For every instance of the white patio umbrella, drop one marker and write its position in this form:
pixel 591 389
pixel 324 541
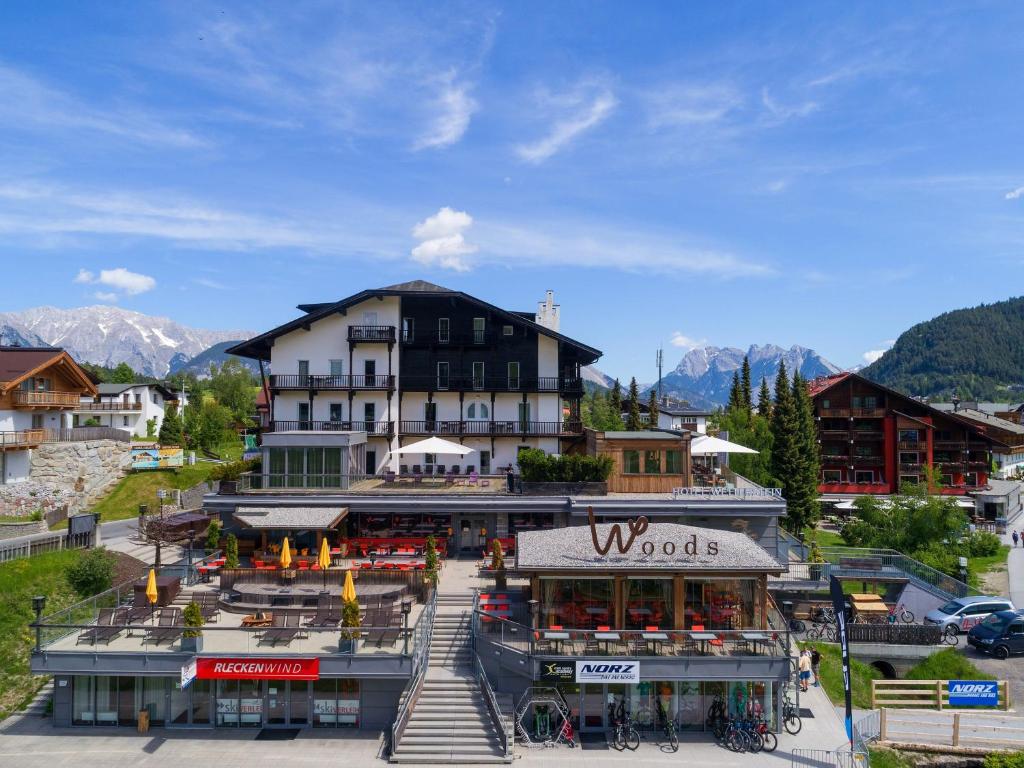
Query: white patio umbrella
pixel 435 445
pixel 706 445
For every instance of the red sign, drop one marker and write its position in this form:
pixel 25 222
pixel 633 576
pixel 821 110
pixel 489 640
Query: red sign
pixel 260 669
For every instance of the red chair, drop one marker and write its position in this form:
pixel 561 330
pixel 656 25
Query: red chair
pixel 652 628
pixel 604 628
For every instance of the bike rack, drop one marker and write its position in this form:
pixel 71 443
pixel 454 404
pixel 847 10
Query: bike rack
pixel 539 695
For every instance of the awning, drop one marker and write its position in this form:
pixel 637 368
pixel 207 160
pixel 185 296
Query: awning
pixel 705 445
pixel 291 518
pixel 435 445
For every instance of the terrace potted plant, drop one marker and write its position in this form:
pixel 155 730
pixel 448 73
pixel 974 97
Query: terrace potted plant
pixel 349 627
pixel 816 560
pixel 498 565
pixel 192 638
pixel 431 561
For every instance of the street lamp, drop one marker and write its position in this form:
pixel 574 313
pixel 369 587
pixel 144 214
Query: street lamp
pixel 38 604
pixel 406 610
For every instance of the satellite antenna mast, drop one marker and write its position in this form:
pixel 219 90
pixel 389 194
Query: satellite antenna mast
pixel 658 360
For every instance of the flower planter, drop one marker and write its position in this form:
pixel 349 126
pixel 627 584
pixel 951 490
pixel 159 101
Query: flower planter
pixel 348 644
pixel 192 644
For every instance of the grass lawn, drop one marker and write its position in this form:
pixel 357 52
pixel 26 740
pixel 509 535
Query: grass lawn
pixel 19 581
pixel 946 665
pixel 887 758
pixel 861 676
pixel 977 566
pixel 141 487
pixel 823 537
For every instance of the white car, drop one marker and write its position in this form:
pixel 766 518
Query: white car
pixel 966 612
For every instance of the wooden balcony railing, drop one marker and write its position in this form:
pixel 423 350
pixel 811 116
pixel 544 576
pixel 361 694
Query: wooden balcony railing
pixel 108 406
pixel 498 427
pixel 834 413
pixel 868 461
pixel 385 333
pixel 868 413
pixel 24 438
pixel 29 437
pixel 30 399
pixel 867 434
pixel 344 381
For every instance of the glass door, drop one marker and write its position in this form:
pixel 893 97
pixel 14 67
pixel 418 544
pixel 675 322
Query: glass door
pixel 298 702
pixel 592 707
pixel 277 702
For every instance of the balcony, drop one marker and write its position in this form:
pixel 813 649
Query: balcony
pixel 344 381
pixel 106 407
pixel 496 428
pixel 835 434
pixel 380 333
pixel 25 438
pixel 22 398
pixel 384 428
pixel 868 434
pixel 913 468
pixel 868 413
pixel 868 461
pixel 910 445
pixel 950 445
pixel 566 386
pixel 834 413
pixel 835 458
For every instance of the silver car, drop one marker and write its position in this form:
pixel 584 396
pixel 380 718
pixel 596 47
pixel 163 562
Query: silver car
pixel 966 612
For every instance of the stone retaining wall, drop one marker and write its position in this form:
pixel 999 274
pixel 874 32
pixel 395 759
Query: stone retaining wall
pixel 14 530
pixel 88 468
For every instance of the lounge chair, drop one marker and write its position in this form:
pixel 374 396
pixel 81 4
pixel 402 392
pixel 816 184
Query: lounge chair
pixel 101 631
pixel 323 616
pixel 283 629
pixel 139 610
pixel 374 621
pixel 393 630
pixel 169 627
pixel 455 470
pixel 439 470
pixel 208 606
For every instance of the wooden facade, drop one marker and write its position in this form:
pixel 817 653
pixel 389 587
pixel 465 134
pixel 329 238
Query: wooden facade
pixel 42 379
pixel 645 450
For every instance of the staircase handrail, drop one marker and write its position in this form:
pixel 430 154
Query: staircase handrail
pixel 420 662
pixel 914 569
pixel 492 704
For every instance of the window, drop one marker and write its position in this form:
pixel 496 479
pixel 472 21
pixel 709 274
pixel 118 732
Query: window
pixel 583 603
pixel 832 476
pixel 335 411
pixel 721 603
pixel 870 402
pixel 506 330
pixel 478 375
pixel 303 367
pixel 443 330
pixel 648 603
pixel 442 375
pixel 513 375
pixel 370 370
pixel 479 330
pixel 369 415
pixel 673 462
pixel 485 462
pixel 855 402
pixel 909 458
pixel 864 476
pixel 37 420
pixel 631 462
pixel 154 398
pixel 408 328
pixel 652 462
pixel 478 411
pixel 909 479
pixel 303 413
pixel 826 403
pixel 336 703
pixel 337 367
pixel 908 436
pixel 124 421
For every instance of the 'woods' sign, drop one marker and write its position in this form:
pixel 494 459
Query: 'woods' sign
pixel 638 527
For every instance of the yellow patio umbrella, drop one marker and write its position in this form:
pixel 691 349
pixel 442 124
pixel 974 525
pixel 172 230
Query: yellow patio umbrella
pixel 151 593
pixel 348 592
pixel 324 560
pixel 286 554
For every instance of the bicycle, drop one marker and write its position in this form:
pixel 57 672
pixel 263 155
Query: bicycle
pixel 790 715
pixel 901 613
pixel 716 719
pixel 626 734
pixel 951 635
pixel 822 631
pixel 669 726
pixel 771 741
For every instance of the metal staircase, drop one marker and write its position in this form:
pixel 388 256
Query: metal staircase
pixel 449 713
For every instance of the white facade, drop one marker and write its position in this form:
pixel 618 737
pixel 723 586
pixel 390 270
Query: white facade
pixel 128 409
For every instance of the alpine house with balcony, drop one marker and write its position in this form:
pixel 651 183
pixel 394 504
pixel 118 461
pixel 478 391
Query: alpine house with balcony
pixel 414 360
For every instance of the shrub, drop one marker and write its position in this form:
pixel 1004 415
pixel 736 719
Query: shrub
pixel 231 551
pixel 213 535
pixel 538 467
pixel 948 664
pixel 350 618
pixel 430 559
pixel 93 573
pixel 1004 760
pixel 982 544
pixel 36 516
pixel 941 557
pixel 193 617
pixel 497 556
pixel 232 470
pixel 151 428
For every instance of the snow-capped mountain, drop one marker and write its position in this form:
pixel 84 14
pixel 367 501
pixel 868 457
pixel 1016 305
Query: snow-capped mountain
pixel 704 375
pixel 110 335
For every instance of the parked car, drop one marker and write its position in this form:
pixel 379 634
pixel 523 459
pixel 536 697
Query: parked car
pixel 966 612
pixel 1000 634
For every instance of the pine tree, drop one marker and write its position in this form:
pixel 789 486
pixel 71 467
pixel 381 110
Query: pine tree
pixel 810 461
pixel 615 396
pixel 785 459
pixel 745 391
pixel 735 393
pixel 633 423
pixel 170 429
pixel 764 400
pixel 652 409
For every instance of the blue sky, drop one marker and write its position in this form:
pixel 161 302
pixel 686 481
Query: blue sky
pixel 824 174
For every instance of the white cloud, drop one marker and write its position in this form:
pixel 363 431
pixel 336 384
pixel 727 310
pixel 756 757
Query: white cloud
pixel 1015 194
pixel 120 279
pixel 675 106
pixel 108 298
pixel 781 113
pixel 685 342
pixel 442 242
pixel 206 282
pixel 577 112
pixel 873 354
pixel 454 107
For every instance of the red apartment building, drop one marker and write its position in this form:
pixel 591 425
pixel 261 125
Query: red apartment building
pixel 874 439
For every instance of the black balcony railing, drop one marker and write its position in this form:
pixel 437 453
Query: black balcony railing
pixel 370 427
pixel 497 427
pixel 344 381
pixel 384 333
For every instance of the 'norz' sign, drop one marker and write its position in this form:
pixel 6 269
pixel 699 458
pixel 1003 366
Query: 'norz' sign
pixel 965 693
pixel 607 671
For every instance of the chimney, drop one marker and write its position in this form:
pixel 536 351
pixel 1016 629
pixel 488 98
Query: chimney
pixel 548 312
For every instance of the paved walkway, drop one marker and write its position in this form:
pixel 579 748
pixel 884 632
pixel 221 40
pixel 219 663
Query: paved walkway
pixel 1015 562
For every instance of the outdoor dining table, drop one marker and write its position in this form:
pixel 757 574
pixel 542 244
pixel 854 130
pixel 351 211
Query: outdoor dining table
pixel 557 638
pixel 756 638
pixel 655 638
pixel 607 637
pixel 703 638
pixel 205 571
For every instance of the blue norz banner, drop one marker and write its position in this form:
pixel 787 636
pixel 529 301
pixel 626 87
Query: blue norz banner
pixel 839 606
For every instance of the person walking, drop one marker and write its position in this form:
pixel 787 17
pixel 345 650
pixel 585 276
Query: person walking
pixel 805 670
pixel 816 665
pixel 1016 538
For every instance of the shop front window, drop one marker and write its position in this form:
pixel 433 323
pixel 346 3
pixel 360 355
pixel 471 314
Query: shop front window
pixel 154 695
pixel 721 603
pixel 577 603
pixel 83 710
pixel 649 603
pixel 201 694
pixel 336 703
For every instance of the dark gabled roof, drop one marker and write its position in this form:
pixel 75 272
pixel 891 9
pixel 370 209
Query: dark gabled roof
pixel 18 363
pixel 111 388
pixel 259 347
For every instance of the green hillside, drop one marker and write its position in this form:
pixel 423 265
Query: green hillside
pixel 978 352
